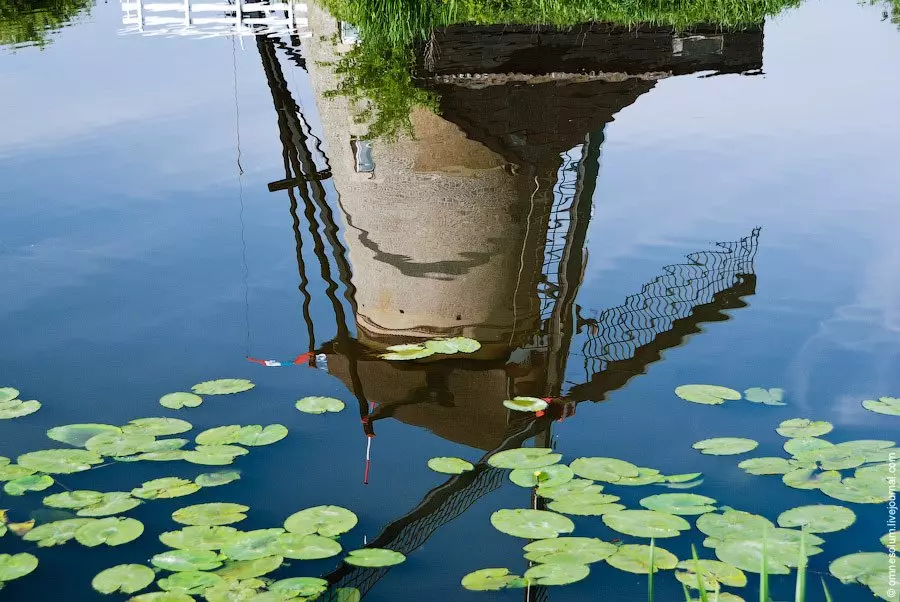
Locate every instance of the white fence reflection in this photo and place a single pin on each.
(211, 19)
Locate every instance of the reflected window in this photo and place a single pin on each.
(362, 152)
(697, 46)
(349, 34)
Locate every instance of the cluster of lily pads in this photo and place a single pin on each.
(717, 395)
(13, 407)
(441, 346)
(222, 386)
(741, 542)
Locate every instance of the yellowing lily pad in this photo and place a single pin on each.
(725, 446)
(180, 399)
(636, 559)
(328, 521)
(556, 574)
(124, 578)
(531, 524)
(319, 405)
(374, 557)
(524, 457)
(223, 386)
(804, 427)
(449, 465)
(406, 352)
(706, 394)
(526, 404)
(213, 514)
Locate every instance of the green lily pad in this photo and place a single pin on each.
(59, 461)
(164, 445)
(319, 405)
(124, 578)
(220, 435)
(859, 567)
(810, 478)
(804, 427)
(114, 502)
(610, 470)
(524, 457)
(685, 504)
(819, 518)
(200, 537)
(646, 523)
(569, 550)
(883, 405)
(525, 404)
(215, 479)
(248, 569)
(706, 394)
(683, 478)
(374, 557)
(405, 352)
(636, 559)
(449, 465)
(725, 446)
(713, 574)
(223, 386)
(57, 532)
(254, 544)
(246, 589)
(11, 472)
(162, 456)
(463, 344)
(79, 434)
(187, 560)
(307, 547)
(305, 587)
(832, 458)
(688, 485)
(34, 482)
(8, 394)
(734, 524)
(557, 574)
(748, 555)
(766, 466)
(213, 514)
(162, 597)
(531, 524)
(799, 446)
(111, 531)
(73, 500)
(214, 455)
(586, 504)
(859, 491)
(884, 585)
(556, 474)
(255, 435)
(769, 397)
(889, 539)
(158, 427)
(18, 408)
(118, 444)
(15, 566)
(164, 488)
(486, 580)
(190, 582)
(328, 521)
(866, 446)
(646, 476)
(180, 399)
(573, 486)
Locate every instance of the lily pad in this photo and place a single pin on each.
(557, 574)
(706, 394)
(819, 518)
(307, 547)
(111, 531)
(223, 386)
(411, 351)
(319, 405)
(766, 466)
(374, 557)
(646, 523)
(114, 502)
(18, 408)
(713, 574)
(725, 446)
(59, 461)
(883, 405)
(610, 470)
(803, 445)
(526, 404)
(810, 478)
(164, 488)
(832, 458)
(213, 514)
(162, 597)
(256, 435)
(11, 472)
(573, 486)
(163, 456)
(636, 559)
(569, 550)
(180, 399)
(685, 504)
(220, 435)
(449, 465)
(189, 582)
(646, 476)
(889, 539)
(254, 544)
(187, 560)
(586, 504)
(328, 521)
(214, 455)
(555, 474)
(748, 555)
(8, 394)
(247, 569)
(769, 397)
(79, 434)
(683, 478)
(463, 344)
(305, 587)
(15, 566)
(118, 444)
(124, 578)
(734, 524)
(158, 427)
(524, 457)
(34, 482)
(855, 490)
(485, 580)
(200, 537)
(804, 427)
(164, 445)
(246, 589)
(859, 567)
(57, 532)
(531, 524)
(215, 479)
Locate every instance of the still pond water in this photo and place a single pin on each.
(725, 212)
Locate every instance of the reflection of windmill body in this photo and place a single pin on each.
(528, 324)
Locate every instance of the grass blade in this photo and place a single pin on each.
(687, 594)
(764, 574)
(652, 569)
(703, 596)
(827, 593)
(800, 589)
